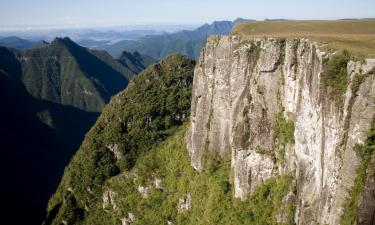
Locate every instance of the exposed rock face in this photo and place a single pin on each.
(184, 204)
(114, 149)
(240, 86)
(128, 220)
(143, 191)
(109, 200)
(158, 183)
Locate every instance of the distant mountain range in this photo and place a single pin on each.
(187, 42)
(157, 46)
(20, 43)
(51, 95)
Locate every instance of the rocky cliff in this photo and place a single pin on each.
(284, 106)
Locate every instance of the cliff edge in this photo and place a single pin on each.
(282, 106)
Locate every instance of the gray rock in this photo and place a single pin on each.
(114, 149)
(143, 191)
(128, 220)
(184, 203)
(109, 200)
(240, 85)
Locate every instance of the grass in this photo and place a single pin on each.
(357, 36)
(283, 135)
(284, 129)
(335, 76)
(364, 152)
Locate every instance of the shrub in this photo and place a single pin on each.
(335, 77)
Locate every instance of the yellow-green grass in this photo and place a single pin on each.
(357, 36)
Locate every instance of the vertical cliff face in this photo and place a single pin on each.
(268, 104)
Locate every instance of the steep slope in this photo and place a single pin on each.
(63, 72)
(283, 106)
(145, 113)
(160, 187)
(38, 132)
(135, 62)
(66, 73)
(37, 140)
(163, 188)
(281, 131)
(184, 42)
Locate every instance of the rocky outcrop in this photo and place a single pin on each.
(128, 220)
(109, 200)
(143, 191)
(246, 90)
(184, 203)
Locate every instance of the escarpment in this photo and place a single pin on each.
(283, 106)
(280, 132)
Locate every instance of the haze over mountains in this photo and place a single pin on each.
(274, 124)
(263, 130)
(57, 90)
(156, 44)
(187, 42)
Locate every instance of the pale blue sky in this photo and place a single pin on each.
(125, 12)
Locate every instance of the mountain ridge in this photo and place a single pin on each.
(66, 73)
(51, 130)
(186, 42)
(146, 112)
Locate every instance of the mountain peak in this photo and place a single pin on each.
(63, 41)
(135, 62)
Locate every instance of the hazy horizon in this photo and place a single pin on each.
(112, 13)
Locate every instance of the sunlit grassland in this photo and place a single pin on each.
(357, 36)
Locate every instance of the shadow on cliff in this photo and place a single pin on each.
(35, 147)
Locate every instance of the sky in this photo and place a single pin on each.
(134, 12)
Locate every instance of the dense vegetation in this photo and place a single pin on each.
(64, 72)
(211, 192)
(41, 132)
(146, 113)
(284, 129)
(144, 124)
(335, 76)
(283, 135)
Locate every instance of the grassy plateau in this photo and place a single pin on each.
(357, 36)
